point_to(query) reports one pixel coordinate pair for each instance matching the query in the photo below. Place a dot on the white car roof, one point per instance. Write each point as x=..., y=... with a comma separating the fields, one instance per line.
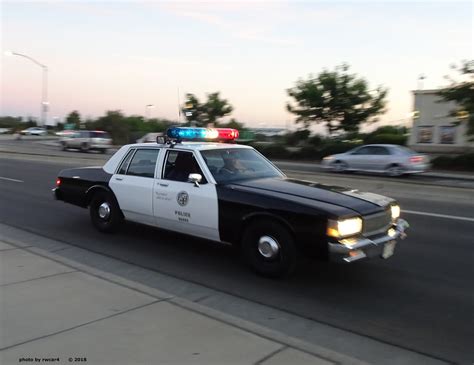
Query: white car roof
x=113, y=162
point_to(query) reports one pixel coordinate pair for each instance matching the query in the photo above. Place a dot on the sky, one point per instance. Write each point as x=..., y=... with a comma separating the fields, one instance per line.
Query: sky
x=124, y=55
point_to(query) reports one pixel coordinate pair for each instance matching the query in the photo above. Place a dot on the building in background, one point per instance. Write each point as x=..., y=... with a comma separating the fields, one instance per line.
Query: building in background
x=434, y=129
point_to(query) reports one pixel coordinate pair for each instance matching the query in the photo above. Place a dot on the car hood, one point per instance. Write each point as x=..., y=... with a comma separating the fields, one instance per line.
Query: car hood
x=361, y=202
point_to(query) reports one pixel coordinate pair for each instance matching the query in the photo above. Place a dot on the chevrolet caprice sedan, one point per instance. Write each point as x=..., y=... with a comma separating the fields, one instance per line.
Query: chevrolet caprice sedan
x=192, y=183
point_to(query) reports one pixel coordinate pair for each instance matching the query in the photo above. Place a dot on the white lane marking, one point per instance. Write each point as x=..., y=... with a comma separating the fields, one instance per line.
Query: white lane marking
x=8, y=179
x=439, y=215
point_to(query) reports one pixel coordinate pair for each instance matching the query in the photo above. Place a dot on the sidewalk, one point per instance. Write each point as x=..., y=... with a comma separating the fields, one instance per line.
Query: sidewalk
x=53, y=310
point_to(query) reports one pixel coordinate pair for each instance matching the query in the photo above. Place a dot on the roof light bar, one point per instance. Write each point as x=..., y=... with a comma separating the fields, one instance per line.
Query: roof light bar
x=183, y=133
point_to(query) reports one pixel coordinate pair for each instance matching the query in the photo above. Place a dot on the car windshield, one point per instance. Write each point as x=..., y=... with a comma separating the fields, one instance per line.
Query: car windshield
x=232, y=164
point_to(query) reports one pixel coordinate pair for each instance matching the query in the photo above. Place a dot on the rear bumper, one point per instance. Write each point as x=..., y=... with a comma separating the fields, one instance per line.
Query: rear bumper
x=362, y=247
x=57, y=194
x=415, y=169
x=99, y=146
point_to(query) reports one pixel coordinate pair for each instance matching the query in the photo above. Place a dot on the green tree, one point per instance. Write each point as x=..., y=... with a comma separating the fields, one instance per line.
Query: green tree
x=232, y=124
x=216, y=108
x=193, y=110
x=114, y=122
x=462, y=92
x=10, y=122
x=297, y=137
x=74, y=118
x=202, y=114
x=338, y=99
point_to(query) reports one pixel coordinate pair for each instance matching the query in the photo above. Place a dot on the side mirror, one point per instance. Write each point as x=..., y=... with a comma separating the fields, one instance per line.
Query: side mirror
x=160, y=140
x=195, y=179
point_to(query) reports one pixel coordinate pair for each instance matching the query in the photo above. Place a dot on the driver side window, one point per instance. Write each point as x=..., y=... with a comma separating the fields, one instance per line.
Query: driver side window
x=179, y=164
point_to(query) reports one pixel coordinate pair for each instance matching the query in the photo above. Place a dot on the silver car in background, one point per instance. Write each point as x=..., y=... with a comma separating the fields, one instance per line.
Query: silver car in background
x=34, y=131
x=87, y=141
x=392, y=160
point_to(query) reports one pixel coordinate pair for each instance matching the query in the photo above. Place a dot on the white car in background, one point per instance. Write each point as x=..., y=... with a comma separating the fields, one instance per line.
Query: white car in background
x=87, y=141
x=64, y=133
x=34, y=131
x=150, y=137
x=392, y=160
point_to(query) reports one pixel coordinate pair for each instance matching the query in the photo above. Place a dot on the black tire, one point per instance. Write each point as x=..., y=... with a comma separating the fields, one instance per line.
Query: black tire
x=103, y=150
x=63, y=146
x=84, y=147
x=394, y=170
x=109, y=223
x=340, y=166
x=283, y=263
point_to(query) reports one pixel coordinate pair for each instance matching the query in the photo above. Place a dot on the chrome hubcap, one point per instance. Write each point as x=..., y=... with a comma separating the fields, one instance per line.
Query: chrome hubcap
x=268, y=247
x=104, y=210
x=395, y=171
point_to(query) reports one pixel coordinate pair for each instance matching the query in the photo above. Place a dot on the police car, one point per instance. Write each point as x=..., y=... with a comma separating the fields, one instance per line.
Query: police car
x=192, y=183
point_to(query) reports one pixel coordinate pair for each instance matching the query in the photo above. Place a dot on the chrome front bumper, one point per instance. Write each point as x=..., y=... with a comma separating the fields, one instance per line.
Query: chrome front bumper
x=354, y=249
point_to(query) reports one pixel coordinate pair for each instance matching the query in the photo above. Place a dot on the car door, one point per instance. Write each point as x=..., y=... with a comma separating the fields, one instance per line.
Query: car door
x=182, y=206
x=360, y=159
x=133, y=184
x=75, y=139
x=381, y=158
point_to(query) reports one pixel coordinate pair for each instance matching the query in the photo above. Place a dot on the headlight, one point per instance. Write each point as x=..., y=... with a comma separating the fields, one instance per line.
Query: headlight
x=395, y=212
x=344, y=227
x=328, y=158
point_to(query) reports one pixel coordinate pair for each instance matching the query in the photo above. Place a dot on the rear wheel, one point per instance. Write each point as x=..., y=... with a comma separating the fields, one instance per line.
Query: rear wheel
x=269, y=248
x=84, y=147
x=63, y=146
x=105, y=213
x=394, y=170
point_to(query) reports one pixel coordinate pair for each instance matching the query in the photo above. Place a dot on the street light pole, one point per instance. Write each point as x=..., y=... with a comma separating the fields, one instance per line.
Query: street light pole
x=148, y=107
x=44, y=88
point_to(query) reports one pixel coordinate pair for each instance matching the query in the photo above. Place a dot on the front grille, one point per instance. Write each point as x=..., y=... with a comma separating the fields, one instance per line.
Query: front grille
x=377, y=223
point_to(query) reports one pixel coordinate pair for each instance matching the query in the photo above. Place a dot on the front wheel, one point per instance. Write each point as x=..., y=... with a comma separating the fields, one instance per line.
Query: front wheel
x=269, y=248
x=340, y=166
x=105, y=213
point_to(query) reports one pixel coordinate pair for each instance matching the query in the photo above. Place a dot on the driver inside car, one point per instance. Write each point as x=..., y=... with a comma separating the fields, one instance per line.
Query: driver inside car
x=232, y=166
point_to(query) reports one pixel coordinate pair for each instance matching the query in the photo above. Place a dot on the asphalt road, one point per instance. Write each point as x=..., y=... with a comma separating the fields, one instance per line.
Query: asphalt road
x=421, y=299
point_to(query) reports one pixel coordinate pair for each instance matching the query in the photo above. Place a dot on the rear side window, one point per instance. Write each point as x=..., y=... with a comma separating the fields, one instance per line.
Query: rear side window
x=143, y=163
x=380, y=151
x=126, y=161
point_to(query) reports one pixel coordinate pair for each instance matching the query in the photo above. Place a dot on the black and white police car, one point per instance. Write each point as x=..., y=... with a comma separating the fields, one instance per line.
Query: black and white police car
x=230, y=193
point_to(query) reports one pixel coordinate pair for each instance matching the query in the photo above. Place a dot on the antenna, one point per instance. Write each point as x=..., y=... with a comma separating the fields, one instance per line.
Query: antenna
x=179, y=107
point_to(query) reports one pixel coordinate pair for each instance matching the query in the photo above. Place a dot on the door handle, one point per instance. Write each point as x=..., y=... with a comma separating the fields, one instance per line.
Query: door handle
x=119, y=178
x=164, y=185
